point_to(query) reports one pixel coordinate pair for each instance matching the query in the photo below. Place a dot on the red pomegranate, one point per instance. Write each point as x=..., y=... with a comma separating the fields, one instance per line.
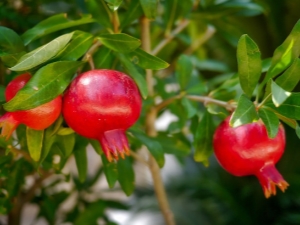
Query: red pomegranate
x=247, y=150
x=103, y=104
x=38, y=118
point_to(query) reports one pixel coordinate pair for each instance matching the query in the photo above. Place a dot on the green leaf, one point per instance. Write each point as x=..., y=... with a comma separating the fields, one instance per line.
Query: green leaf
x=153, y=146
x=42, y=54
x=49, y=140
x=147, y=61
x=91, y=214
x=279, y=95
x=48, y=82
x=298, y=130
x=78, y=46
x=188, y=107
x=249, y=64
x=135, y=74
x=10, y=42
x=96, y=146
x=12, y=59
x=126, y=175
x=184, y=68
x=290, y=108
x=203, y=139
x=176, y=144
x=52, y=24
x=34, y=142
x=122, y=43
x=244, y=113
x=100, y=11
x=110, y=171
x=149, y=8
x=104, y=58
x=270, y=120
x=81, y=157
x=290, y=78
x=66, y=144
x=285, y=54
x=114, y=4
x=134, y=13
x=65, y=131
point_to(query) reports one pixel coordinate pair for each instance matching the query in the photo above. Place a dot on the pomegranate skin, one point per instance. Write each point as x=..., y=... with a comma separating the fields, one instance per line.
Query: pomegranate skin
x=102, y=104
x=247, y=150
x=38, y=118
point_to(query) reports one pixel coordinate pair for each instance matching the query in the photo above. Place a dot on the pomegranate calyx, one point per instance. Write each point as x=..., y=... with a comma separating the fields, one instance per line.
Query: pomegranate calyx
x=114, y=143
x=8, y=124
x=269, y=178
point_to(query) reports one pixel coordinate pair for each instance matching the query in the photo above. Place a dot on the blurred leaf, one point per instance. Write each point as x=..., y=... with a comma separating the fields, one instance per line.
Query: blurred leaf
x=65, y=131
x=81, y=157
x=266, y=64
x=34, y=142
x=298, y=130
x=12, y=59
x=146, y=60
x=42, y=54
x=270, y=120
x=122, y=43
x=90, y=215
x=184, y=68
x=16, y=178
x=96, y=146
x=290, y=78
x=80, y=43
x=188, y=107
x=203, y=139
x=10, y=42
x=110, y=171
x=176, y=144
x=249, y=64
x=149, y=8
x=66, y=144
x=114, y=4
x=47, y=83
x=103, y=58
x=49, y=140
x=100, y=11
x=126, y=175
x=135, y=74
x=279, y=95
x=244, y=113
x=135, y=11
x=210, y=65
x=52, y=24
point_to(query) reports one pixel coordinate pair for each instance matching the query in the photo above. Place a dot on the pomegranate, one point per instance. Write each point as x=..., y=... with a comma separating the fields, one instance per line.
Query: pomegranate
x=247, y=150
x=102, y=104
x=38, y=118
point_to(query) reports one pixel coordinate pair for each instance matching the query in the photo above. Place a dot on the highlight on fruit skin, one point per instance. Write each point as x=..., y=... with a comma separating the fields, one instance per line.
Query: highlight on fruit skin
x=102, y=104
x=38, y=118
x=247, y=150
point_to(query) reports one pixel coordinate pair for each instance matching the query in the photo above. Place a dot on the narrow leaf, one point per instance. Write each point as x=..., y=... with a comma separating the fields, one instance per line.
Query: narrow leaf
x=147, y=61
x=270, y=120
x=114, y=4
x=42, y=54
x=126, y=175
x=110, y=171
x=298, y=130
x=279, y=95
x=52, y=24
x=184, y=68
x=249, y=64
x=203, y=139
x=66, y=144
x=93, y=211
x=104, y=58
x=34, y=142
x=188, y=107
x=81, y=157
x=244, y=113
x=134, y=13
x=100, y=11
x=48, y=82
x=122, y=43
x=290, y=78
x=150, y=8
x=10, y=42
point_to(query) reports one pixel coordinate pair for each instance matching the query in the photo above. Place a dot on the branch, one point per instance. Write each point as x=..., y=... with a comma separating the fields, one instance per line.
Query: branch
x=138, y=158
x=204, y=99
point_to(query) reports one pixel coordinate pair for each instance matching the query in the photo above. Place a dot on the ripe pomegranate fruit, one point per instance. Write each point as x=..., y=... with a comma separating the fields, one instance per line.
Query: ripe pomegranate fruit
x=102, y=104
x=247, y=150
x=38, y=118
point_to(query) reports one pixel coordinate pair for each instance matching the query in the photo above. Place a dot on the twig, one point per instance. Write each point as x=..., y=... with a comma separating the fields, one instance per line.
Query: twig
x=168, y=101
x=165, y=41
x=138, y=158
x=115, y=21
x=92, y=50
x=205, y=100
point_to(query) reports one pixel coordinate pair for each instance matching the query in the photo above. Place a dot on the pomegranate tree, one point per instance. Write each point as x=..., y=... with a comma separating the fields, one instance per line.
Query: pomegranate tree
x=102, y=105
x=247, y=150
x=38, y=118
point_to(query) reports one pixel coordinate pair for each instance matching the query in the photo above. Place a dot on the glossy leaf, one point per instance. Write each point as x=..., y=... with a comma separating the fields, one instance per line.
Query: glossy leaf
x=270, y=120
x=49, y=140
x=126, y=175
x=122, y=43
x=66, y=144
x=249, y=64
x=184, y=68
x=290, y=78
x=134, y=13
x=81, y=157
x=42, y=54
x=104, y=58
x=146, y=60
x=48, y=82
x=52, y=24
x=135, y=74
x=110, y=171
x=279, y=95
x=188, y=107
x=34, y=142
x=78, y=46
x=203, y=139
x=96, y=145
x=149, y=8
x=114, y=4
x=100, y=12
x=10, y=42
x=244, y=113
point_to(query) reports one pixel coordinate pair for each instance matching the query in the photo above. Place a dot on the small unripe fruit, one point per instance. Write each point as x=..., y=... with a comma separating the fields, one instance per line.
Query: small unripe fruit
x=38, y=118
x=103, y=104
x=247, y=150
